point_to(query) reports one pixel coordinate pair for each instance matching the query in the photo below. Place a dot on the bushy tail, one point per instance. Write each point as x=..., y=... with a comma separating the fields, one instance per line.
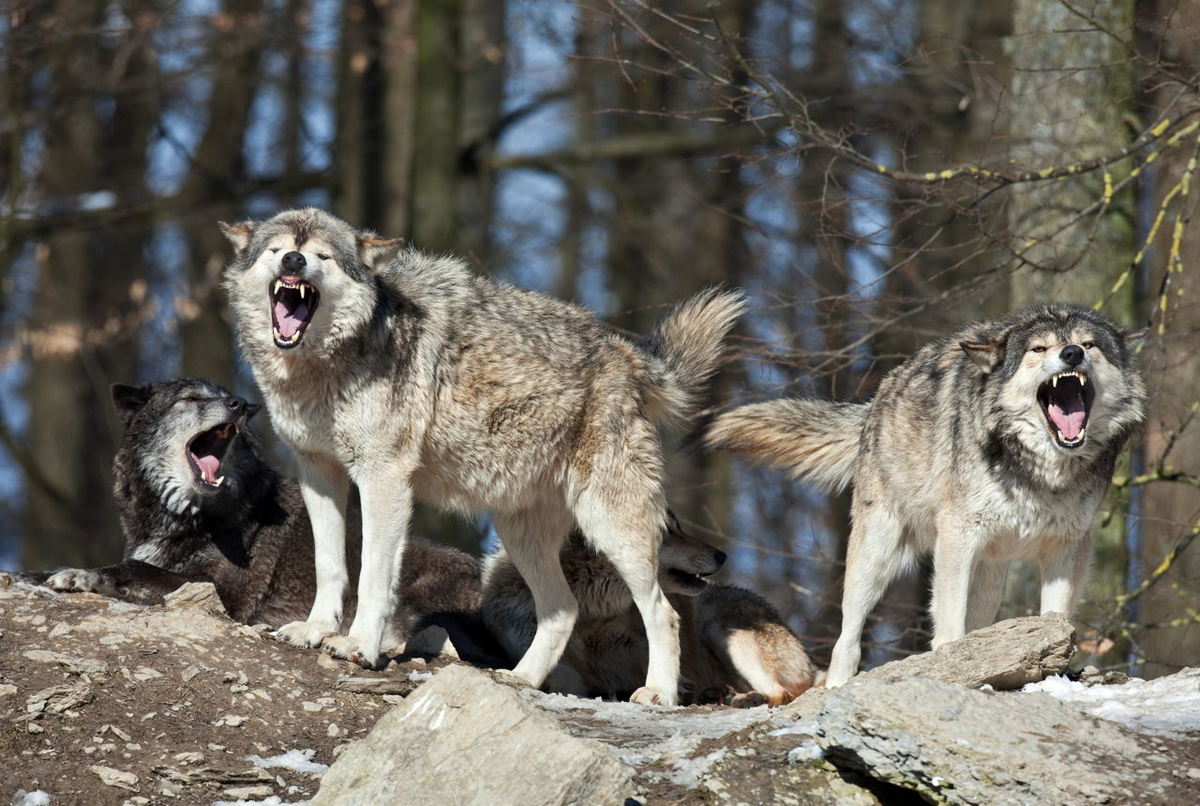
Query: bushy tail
x=685, y=350
x=814, y=440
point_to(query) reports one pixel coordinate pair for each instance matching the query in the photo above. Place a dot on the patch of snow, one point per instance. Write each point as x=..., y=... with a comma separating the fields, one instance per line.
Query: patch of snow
x=806, y=751
x=806, y=728
x=419, y=677
x=296, y=760
x=273, y=800
x=1168, y=704
x=686, y=772
x=35, y=798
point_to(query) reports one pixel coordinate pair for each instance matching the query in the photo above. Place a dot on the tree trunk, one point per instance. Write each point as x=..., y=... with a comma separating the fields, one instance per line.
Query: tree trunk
x=1171, y=363
x=1072, y=90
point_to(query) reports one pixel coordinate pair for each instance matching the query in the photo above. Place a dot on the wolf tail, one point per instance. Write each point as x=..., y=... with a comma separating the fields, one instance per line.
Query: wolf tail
x=685, y=349
x=814, y=440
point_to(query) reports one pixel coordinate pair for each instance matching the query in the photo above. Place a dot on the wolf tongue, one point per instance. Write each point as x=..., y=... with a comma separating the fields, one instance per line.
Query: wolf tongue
x=290, y=321
x=1068, y=416
x=209, y=465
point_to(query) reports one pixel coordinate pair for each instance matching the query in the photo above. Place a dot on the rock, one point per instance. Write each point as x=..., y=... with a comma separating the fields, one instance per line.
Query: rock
x=431, y=641
x=201, y=595
x=118, y=778
x=955, y=744
x=249, y=792
x=376, y=685
x=464, y=738
x=90, y=666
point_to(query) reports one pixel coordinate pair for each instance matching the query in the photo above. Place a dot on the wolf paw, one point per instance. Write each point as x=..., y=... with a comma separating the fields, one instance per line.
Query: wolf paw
x=304, y=633
x=653, y=696
x=750, y=699
x=74, y=579
x=350, y=648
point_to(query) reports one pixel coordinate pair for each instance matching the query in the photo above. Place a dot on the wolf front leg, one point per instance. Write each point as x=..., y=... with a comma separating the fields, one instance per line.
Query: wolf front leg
x=874, y=557
x=958, y=542
x=325, y=486
x=1064, y=570
x=386, y=495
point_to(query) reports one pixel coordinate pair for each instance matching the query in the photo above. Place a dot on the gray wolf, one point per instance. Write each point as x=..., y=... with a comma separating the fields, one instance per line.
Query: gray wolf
x=198, y=503
x=409, y=376
x=734, y=646
x=995, y=444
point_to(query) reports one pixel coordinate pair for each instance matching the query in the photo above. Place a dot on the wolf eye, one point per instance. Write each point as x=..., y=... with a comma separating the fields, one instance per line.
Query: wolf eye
x=1087, y=345
x=1038, y=349
x=274, y=249
x=323, y=256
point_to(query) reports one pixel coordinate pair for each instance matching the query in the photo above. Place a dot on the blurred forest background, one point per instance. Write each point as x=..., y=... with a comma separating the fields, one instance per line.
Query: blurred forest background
x=873, y=172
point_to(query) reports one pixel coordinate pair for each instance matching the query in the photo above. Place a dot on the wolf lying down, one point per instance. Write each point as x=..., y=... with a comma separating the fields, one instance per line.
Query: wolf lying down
x=198, y=503
x=734, y=647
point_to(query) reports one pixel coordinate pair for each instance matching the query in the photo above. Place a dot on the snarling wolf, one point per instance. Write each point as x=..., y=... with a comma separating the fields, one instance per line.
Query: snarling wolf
x=199, y=504
x=735, y=647
x=995, y=444
x=410, y=376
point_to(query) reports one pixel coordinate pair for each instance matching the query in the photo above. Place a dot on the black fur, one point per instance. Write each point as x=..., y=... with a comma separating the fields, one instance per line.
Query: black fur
x=252, y=537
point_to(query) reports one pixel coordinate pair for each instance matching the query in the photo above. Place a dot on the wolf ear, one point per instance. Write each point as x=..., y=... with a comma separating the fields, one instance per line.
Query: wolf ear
x=1134, y=336
x=129, y=400
x=986, y=355
x=238, y=234
x=374, y=251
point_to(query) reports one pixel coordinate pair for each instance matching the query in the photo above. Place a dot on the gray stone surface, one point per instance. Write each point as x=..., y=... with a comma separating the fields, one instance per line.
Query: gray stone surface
x=462, y=738
x=954, y=744
x=1005, y=656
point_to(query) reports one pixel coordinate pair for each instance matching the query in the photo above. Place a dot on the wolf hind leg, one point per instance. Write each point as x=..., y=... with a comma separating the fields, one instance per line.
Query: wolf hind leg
x=874, y=558
x=627, y=531
x=987, y=592
x=533, y=539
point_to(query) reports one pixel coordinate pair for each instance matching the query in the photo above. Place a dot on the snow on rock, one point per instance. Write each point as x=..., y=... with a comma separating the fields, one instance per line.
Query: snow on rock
x=1167, y=704
x=297, y=760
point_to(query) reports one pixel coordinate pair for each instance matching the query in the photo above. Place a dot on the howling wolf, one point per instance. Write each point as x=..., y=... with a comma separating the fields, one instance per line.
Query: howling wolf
x=410, y=376
x=995, y=444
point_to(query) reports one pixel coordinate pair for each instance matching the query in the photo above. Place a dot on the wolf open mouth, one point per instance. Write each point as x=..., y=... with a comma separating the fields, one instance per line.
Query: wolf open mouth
x=1066, y=400
x=293, y=302
x=688, y=584
x=206, y=451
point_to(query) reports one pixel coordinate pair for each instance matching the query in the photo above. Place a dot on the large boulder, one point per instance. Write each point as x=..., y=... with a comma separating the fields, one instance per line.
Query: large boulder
x=464, y=738
x=954, y=744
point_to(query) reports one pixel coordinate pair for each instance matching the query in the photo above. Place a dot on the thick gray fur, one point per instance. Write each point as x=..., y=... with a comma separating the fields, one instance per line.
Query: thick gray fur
x=957, y=455
x=735, y=648
x=415, y=377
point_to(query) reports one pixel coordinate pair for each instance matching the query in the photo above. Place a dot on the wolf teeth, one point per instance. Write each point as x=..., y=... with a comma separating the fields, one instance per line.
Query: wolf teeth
x=220, y=480
x=303, y=288
x=1078, y=376
x=278, y=285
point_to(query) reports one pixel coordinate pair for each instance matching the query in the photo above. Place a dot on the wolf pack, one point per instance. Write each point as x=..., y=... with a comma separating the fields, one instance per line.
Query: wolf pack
x=394, y=376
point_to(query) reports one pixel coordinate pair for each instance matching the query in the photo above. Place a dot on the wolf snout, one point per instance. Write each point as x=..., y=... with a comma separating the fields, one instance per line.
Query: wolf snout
x=293, y=262
x=240, y=407
x=1072, y=355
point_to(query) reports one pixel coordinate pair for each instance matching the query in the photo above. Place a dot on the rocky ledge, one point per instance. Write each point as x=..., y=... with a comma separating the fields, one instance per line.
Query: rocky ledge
x=111, y=703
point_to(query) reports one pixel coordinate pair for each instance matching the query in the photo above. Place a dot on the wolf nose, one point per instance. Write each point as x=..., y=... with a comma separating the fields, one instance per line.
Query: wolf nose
x=237, y=405
x=1072, y=355
x=293, y=262
x=720, y=557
